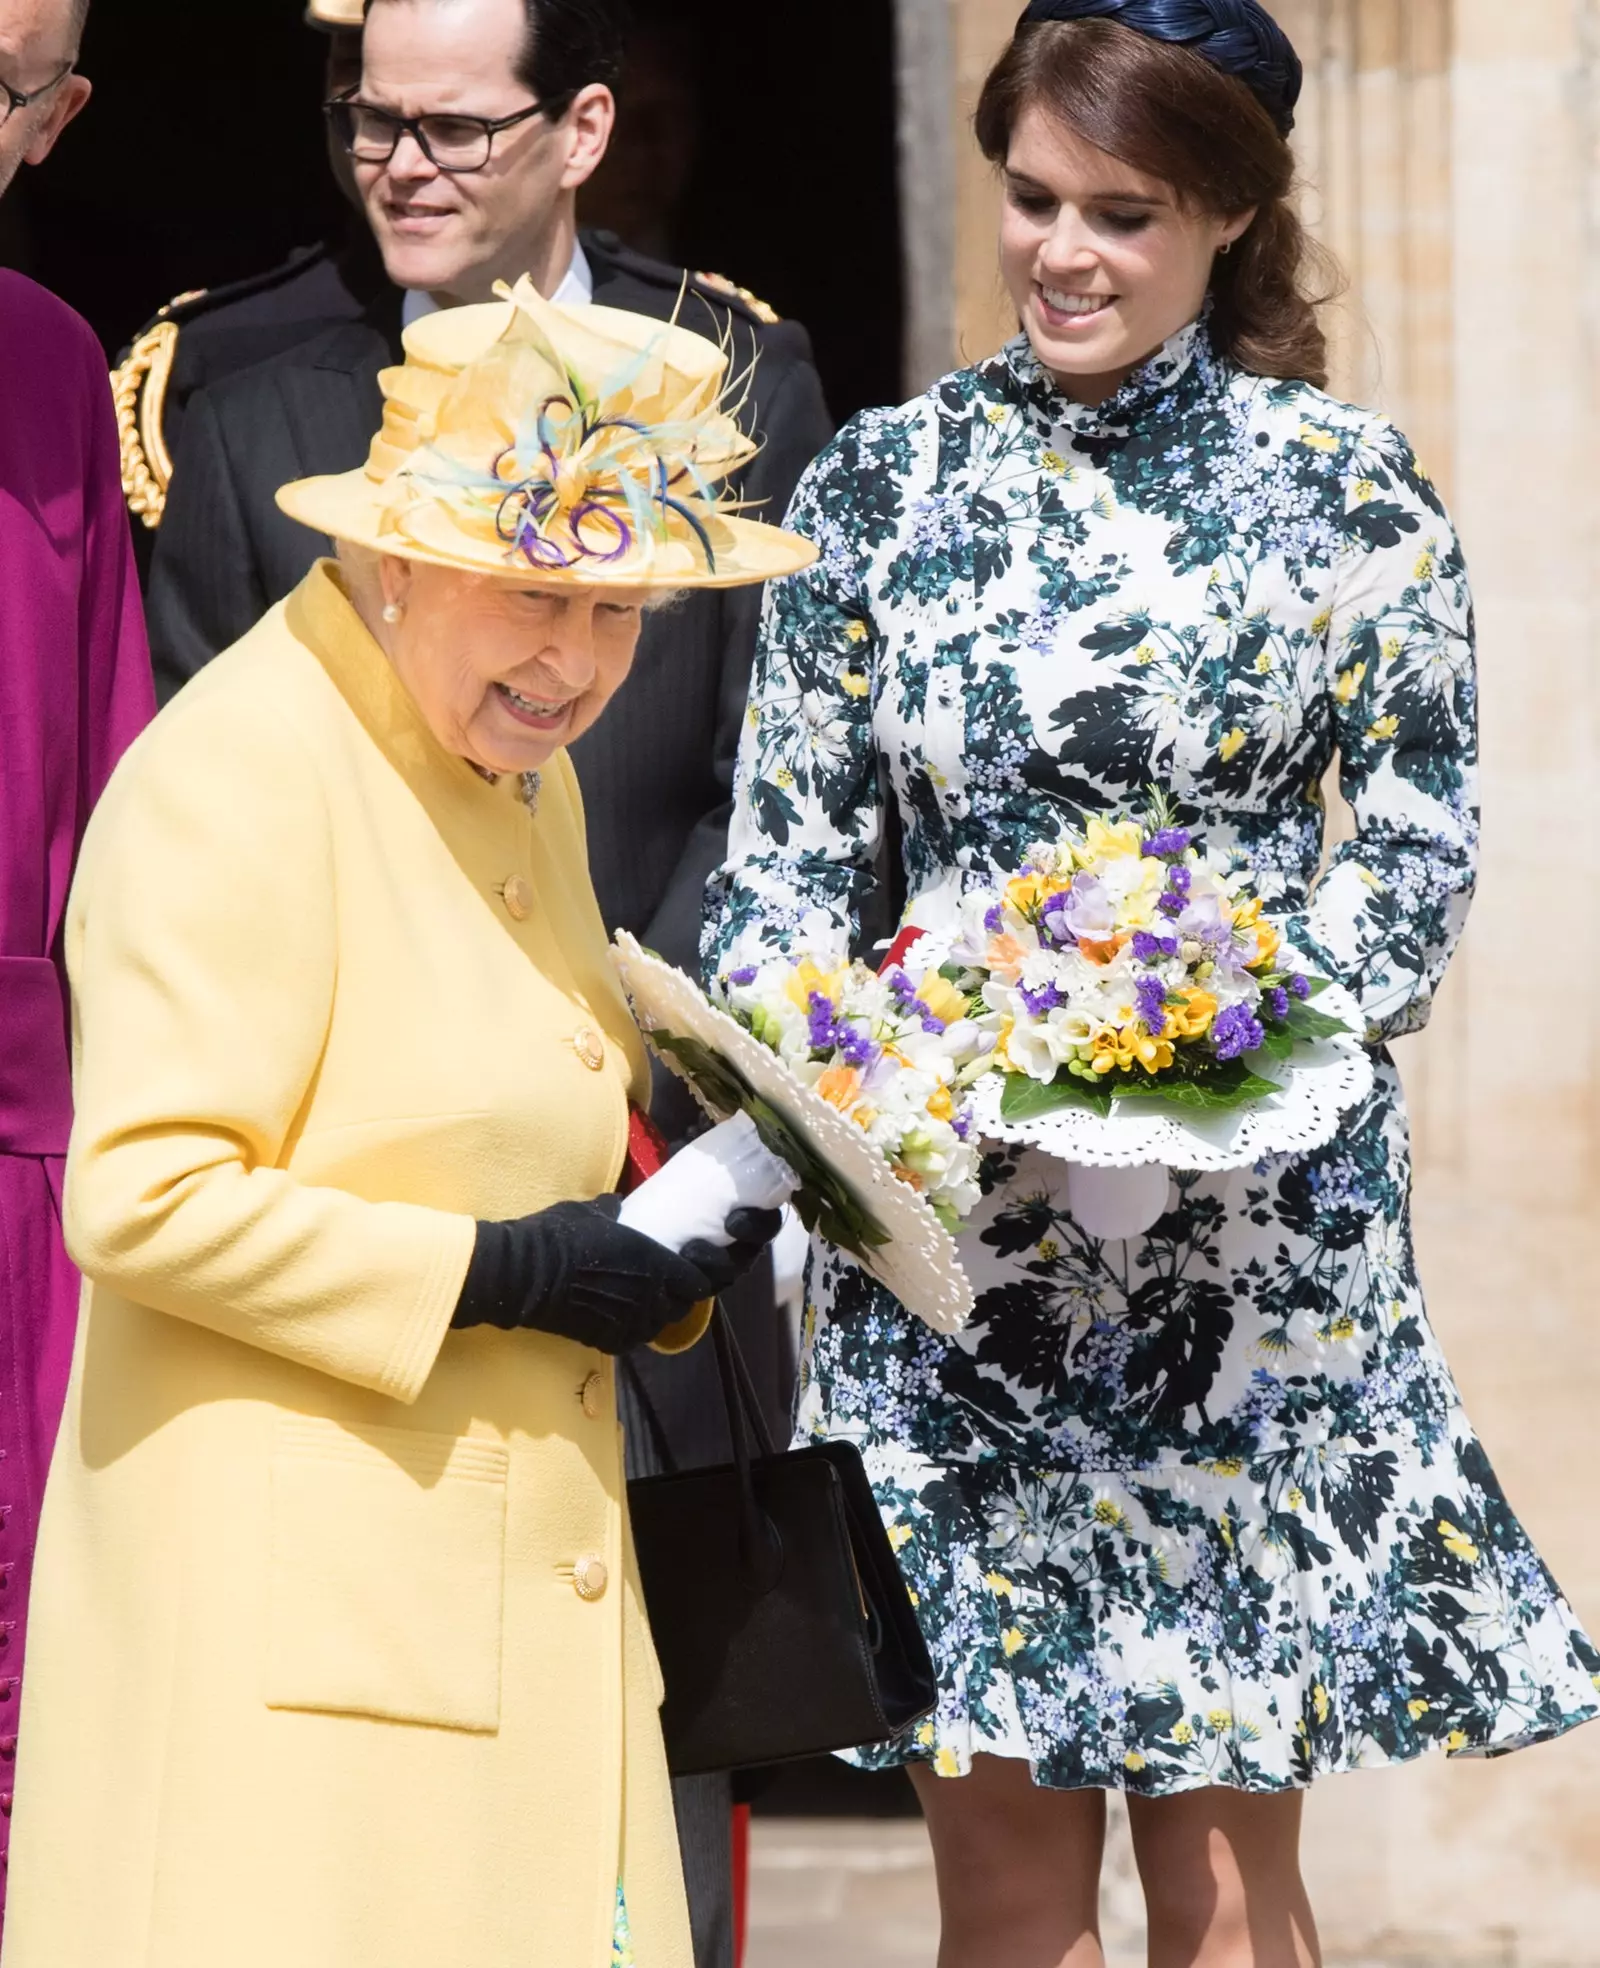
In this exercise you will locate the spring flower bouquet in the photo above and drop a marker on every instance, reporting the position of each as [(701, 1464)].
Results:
[(1145, 1013), (858, 1081), (1124, 964)]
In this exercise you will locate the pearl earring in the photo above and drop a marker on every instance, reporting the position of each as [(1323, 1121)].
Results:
[(393, 613)]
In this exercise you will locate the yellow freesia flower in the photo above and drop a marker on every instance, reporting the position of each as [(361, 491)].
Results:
[(1190, 1017), (807, 978), (1103, 843), (941, 997), (940, 1104)]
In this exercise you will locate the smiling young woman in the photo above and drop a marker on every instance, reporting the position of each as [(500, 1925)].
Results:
[(1197, 1516), (1140, 177)]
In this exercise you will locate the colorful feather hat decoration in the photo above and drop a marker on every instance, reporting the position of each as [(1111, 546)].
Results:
[(556, 446)]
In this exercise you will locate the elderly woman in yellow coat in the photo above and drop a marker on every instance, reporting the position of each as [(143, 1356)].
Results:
[(338, 1658)]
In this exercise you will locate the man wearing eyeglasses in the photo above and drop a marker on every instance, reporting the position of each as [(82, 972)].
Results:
[(40, 89), (469, 133), (74, 692)]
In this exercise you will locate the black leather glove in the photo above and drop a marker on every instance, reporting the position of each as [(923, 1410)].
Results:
[(573, 1270), (751, 1230)]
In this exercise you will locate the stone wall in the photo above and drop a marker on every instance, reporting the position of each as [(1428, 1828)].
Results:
[(1449, 152)]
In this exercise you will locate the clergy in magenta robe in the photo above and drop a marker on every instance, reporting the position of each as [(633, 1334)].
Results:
[(75, 688)]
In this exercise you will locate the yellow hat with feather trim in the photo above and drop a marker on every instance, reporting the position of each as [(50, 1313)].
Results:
[(556, 446)]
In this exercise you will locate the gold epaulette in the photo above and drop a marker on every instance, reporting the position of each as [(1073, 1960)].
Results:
[(139, 390), (719, 283)]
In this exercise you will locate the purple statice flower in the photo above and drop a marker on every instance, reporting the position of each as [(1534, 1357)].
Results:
[(1301, 987), (855, 1046), (748, 975), (823, 1030), (1180, 880), (1168, 840), (994, 922), (1278, 998), (1237, 1031), (1148, 949), (1040, 1002), (1152, 996), (932, 1025), (1171, 905), (963, 1126), (901, 988)]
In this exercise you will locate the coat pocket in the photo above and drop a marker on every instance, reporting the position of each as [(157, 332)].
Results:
[(386, 1574)]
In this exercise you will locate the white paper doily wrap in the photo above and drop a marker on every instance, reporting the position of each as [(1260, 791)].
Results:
[(1324, 1080), (919, 1263)]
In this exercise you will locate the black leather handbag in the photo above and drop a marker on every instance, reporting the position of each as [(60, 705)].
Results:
[(782, 1622)]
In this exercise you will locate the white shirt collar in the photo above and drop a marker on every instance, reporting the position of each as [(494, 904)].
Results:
[(576, 290)]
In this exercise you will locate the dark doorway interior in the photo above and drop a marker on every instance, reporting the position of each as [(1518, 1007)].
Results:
[(200, 160)]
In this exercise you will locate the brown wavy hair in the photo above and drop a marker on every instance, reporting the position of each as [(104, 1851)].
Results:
[(1165, 111)]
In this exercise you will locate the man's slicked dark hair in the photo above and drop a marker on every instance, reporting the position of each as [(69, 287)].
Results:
[(571, 44)]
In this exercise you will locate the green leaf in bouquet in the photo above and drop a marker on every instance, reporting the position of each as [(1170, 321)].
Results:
[(1228, 1087), (1023, 1099), (1306, 1022), (825, 1203), (1216, 1088), (1278, 1044)]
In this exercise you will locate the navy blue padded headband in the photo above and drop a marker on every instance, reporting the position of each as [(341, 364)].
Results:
[(1238, 36)]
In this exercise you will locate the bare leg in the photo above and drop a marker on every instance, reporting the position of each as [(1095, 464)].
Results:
[(1018, 1867), (1221, 1874)]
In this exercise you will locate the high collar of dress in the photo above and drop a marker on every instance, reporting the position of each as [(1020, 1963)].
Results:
[(323, 618), (1184, 366)]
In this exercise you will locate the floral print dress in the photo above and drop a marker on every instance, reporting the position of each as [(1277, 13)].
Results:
[(1204, 1507)]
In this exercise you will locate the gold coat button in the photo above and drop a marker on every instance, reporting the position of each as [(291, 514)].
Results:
[(590, 1047), (518, 898), (592, 1395), (590, 1578)]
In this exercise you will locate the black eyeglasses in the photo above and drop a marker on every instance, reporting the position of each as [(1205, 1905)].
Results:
[(450, 143), (16, 100)]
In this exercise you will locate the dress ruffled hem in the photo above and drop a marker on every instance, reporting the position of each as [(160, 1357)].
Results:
[(1329, 1608)]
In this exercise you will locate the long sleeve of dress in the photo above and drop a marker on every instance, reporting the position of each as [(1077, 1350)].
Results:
[(807, 808), (1391, 906), (202, 952)]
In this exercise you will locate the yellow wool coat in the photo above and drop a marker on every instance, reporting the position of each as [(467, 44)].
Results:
[(337, 1657)]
